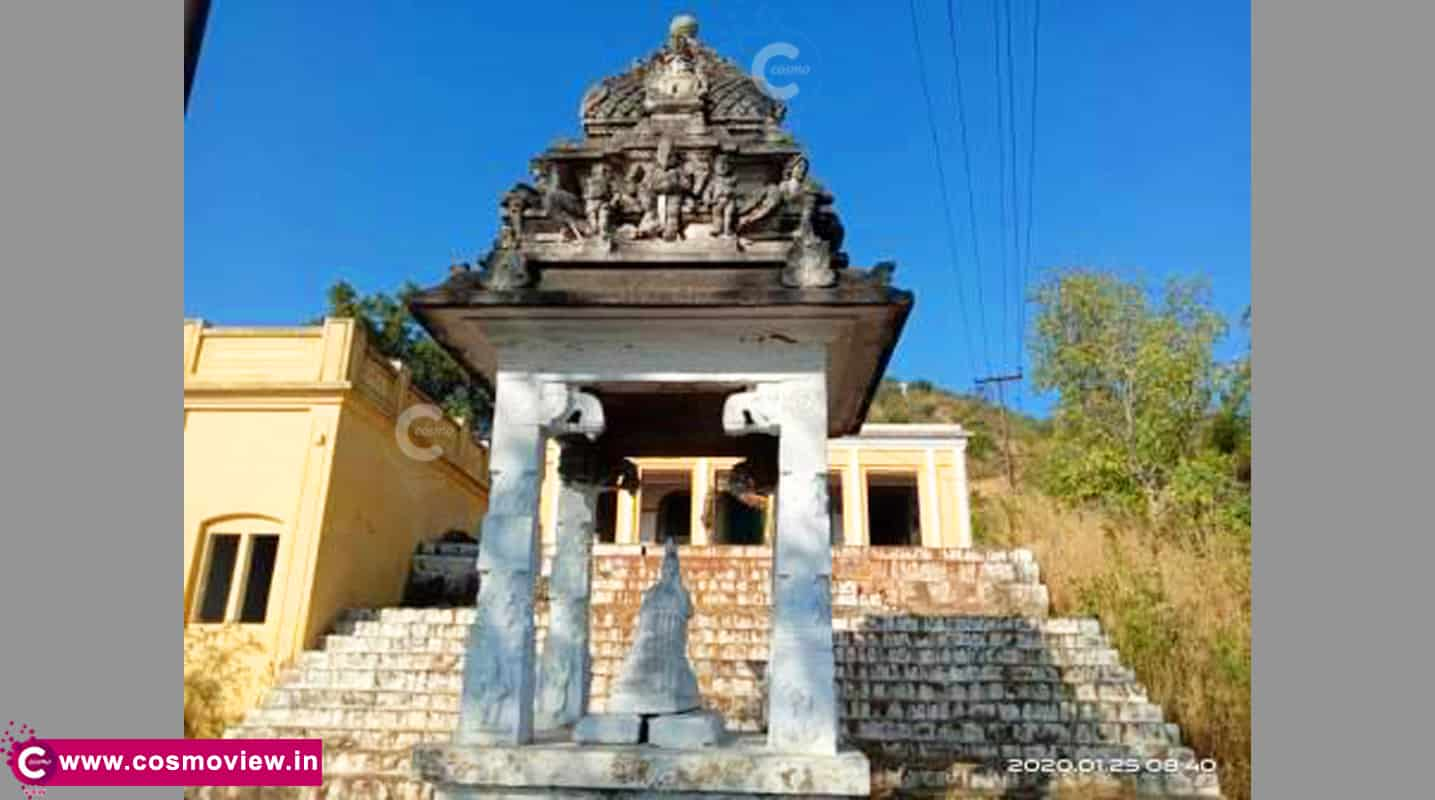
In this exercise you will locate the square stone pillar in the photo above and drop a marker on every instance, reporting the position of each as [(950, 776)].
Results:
[(801, 692), (565, 668), (496, 705)]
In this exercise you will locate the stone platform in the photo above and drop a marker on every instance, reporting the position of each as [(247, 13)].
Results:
[(745, 768)]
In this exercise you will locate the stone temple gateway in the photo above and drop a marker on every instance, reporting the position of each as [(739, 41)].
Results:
[(673, 283)]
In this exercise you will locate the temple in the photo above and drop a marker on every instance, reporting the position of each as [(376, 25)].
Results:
[(680, 563)]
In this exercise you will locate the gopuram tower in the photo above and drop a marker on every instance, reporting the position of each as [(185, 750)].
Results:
[(672, 284)]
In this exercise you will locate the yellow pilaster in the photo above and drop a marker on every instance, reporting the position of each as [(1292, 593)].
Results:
[(626, 531), (701, 484), (854, 516), (548, 504), (929, 501)]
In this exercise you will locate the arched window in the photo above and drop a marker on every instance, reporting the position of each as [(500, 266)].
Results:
[(675, 515), (239, 558)]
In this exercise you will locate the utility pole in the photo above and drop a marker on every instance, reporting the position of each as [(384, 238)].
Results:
[(1000, 381)]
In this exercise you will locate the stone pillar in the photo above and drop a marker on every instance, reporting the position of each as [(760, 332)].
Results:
[(801, 696), (496, 706), (564, 671)]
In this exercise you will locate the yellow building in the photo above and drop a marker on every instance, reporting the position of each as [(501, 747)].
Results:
[(300, 499), (895, 485)]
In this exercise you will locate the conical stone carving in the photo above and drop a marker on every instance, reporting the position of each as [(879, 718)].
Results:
[(656, 677)]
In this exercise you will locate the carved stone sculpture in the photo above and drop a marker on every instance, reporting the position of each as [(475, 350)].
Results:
[(505, 268), (809, 262), (656, 677), (666, 185), (560, 204), (598, 201), (722, 198)]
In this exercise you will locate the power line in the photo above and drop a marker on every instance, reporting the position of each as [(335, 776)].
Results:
[(1002, 200), (946, 203), (967, 165), (1015, 189), (1030, 167)]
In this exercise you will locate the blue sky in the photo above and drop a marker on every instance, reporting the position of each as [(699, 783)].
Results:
[(370, 142)]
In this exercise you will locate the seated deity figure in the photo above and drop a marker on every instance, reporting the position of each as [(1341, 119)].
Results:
[(656, 677)]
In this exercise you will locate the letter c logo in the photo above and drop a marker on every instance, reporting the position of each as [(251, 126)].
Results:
[(35, 763), (759, 68), (406, 443)]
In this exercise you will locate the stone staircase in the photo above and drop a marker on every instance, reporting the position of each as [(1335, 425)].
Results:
[(946, 662)]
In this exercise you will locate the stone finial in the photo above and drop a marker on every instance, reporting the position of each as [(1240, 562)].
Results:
[(684, 25)]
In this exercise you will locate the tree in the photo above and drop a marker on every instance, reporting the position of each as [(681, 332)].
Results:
[(1230, 430), (394, 333), (1135, 375)]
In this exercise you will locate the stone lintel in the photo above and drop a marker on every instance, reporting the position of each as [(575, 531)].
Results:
[(746, 768)]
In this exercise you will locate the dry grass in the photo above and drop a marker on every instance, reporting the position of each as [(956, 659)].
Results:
[(225, 672), (1178, 608)]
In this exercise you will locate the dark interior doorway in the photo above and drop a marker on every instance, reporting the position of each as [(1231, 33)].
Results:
[(892, 518), (605, 517), (737, 522), (675, 516)]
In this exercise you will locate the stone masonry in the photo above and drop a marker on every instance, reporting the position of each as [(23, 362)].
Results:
[(947, 666)]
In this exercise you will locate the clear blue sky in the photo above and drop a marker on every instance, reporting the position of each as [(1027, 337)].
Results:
[(370, 141)]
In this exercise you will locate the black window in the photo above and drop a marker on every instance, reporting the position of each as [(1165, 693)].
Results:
[(262, 552), (223, 553)]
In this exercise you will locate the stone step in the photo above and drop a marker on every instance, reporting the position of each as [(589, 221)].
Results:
[(288, 696), (454, 623), (449, 680), (346, 738), (1114, 712), (965, 731), (992, 692), (442, 722)]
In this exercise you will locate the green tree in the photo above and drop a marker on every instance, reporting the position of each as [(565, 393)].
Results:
[(396, 334), (1230, 429), (1135, 377)]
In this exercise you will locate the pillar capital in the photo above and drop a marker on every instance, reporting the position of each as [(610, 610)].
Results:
[(566, 411)]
